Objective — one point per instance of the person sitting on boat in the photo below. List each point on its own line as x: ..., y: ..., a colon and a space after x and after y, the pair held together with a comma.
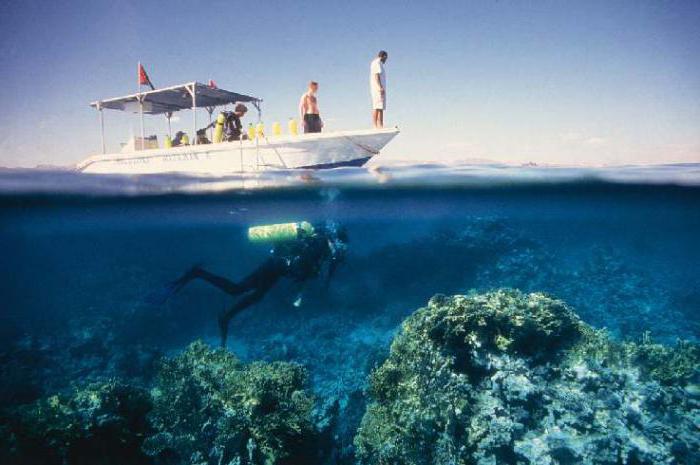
x: 299, y: 258
x: 180, y: 139
x: 308, y: 110
x: 202, y: 136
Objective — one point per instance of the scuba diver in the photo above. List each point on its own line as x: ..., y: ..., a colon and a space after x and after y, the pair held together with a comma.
x: 299, y: 253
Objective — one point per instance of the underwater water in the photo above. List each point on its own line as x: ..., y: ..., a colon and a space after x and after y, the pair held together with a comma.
x: 519, y: 371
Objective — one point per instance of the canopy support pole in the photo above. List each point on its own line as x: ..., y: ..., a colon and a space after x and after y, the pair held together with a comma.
x: 258, y: 106
x: 210, y: 110
x: 194, y: 113
x: 257, y: 139
x: 102, y: 128
x: 170, y: 131
x: 143, y: 130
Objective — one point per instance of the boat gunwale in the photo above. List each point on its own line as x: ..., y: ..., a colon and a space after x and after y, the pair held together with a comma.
x: 270, y: 142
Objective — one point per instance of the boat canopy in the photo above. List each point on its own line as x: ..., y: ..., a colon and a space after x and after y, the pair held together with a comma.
x: 168, y: 100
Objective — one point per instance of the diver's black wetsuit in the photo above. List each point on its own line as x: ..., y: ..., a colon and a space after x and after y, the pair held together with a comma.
x: 298, y: 260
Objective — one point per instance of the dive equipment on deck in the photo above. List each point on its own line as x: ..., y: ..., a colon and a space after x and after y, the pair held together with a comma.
x: 219, y: 128
x: 293, y: 127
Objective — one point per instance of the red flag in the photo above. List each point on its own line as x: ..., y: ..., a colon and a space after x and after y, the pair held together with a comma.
x: 212, y: 84
x: 144, y: 80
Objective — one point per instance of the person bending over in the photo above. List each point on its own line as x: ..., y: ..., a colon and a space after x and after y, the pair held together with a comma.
x: 233, y: 128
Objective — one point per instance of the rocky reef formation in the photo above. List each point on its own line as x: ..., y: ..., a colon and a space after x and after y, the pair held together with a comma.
x: 206, y: 407
x: 211, y: 408
x: 512, y: 378
x: 102, y: 423
x: 502, y: 377
x: 85, y: 349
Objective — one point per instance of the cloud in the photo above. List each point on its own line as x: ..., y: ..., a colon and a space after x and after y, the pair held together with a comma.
x: 597, y: 141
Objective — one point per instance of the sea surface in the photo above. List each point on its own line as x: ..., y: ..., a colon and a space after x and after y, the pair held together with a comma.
x: 82, y: 256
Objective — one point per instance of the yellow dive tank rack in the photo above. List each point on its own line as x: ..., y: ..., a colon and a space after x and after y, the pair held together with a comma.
x: 279, y: 232
x: 219, y: 128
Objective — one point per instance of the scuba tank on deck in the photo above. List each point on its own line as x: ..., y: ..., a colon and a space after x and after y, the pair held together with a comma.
x: 219, y: 128
x: 293, y: 127
x: 280, y: 232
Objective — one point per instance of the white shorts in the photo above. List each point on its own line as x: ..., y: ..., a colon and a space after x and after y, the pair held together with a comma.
x: 378, y: 100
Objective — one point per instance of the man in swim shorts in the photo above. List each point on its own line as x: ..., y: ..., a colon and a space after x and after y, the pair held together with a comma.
x: 308, y: 110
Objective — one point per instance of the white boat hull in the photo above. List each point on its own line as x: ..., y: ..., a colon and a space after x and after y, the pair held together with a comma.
x: 306, y: 151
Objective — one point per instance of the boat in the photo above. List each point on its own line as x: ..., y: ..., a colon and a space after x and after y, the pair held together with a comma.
x: 144, y: 155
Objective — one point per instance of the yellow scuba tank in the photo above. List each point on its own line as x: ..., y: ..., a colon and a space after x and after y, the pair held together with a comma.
x: 251, y: 131
x: 260, y: 130
x: 219, y: 128
x: 279, y: 232
x: 276, y: 129
x: 167, y: 142
x: 185, y: 140
x: 293, y: 128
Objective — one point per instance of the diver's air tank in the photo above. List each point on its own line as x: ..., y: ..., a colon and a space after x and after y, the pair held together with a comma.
x: 167, y: 142
x: 251, y: 131
x: 279, y: 232
x: 185, y: 140
x: 219, y: 128
x: 276, y: 129
x: 260, y: 130
x: 293, y: 128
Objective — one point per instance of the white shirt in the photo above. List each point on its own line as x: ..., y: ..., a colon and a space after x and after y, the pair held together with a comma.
x: 377, y: 67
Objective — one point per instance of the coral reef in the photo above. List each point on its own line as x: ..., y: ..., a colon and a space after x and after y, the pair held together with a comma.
x: 211, y: 408
x: 339, y: 354
x: 512, y: 378
x: 88, y: 349
x: 103, y: 423
x: 206, y: 408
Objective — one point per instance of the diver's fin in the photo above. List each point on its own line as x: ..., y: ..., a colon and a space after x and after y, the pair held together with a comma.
x: 160, y: 296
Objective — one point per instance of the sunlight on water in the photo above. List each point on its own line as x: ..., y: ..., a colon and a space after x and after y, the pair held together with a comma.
x: 65, y: 181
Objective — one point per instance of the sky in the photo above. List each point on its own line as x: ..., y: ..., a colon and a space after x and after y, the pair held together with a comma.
x: 581, y: 82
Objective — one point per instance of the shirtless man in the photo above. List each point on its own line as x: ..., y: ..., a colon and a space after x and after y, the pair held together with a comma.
x: 308, y: 110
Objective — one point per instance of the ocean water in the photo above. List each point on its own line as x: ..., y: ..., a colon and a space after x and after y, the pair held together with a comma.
x: 81, y: 256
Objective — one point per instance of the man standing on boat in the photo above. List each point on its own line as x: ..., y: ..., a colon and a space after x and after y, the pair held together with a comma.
x: 308, y: 110
x: 377, y: 87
